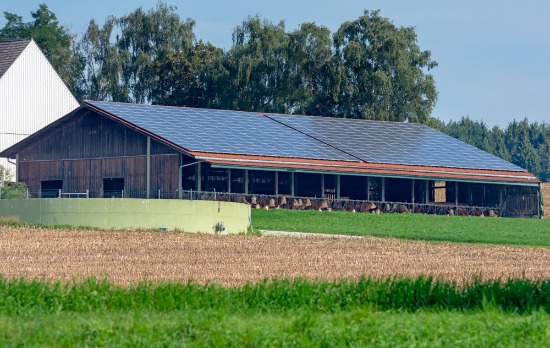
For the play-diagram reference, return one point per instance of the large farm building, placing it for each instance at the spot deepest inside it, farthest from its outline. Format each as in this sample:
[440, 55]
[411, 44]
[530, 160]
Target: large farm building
[24, 72]
[127, 150]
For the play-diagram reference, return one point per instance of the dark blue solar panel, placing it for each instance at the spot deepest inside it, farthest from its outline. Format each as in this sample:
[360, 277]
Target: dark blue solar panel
[220, 131]
[391, 142]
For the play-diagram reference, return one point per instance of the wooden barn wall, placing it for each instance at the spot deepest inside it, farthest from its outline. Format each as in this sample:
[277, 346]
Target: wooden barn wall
[91, 135]
[79, 175]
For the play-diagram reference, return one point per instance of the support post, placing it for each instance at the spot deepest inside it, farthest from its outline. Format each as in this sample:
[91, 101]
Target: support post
[17, 168]
[292, 184]
[276, 183]
[412, 190]
[229, 181]
[456, 197]
[148, 167]
[322, 185]
[198, 177]
[368, 188]
[246, 181]
[383, 195]
[539, 215]
[337, 186]
[427, 192]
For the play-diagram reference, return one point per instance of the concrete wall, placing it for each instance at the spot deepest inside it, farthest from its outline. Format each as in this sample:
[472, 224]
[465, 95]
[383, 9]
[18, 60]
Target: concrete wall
[189, 216]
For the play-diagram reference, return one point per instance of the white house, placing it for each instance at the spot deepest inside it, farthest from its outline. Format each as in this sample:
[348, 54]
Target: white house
[32, 95]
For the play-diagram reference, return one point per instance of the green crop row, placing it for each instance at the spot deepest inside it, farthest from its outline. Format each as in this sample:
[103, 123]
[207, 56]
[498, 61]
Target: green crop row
[19, 296]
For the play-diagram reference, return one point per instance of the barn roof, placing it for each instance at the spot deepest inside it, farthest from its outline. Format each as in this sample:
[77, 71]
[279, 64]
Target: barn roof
[9, 51]
[237, 139]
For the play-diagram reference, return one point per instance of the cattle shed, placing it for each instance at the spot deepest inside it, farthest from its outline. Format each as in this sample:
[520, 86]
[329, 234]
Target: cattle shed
[107, 149]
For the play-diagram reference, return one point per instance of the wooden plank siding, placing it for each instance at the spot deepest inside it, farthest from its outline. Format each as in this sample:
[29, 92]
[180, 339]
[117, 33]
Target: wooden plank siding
[96, 148]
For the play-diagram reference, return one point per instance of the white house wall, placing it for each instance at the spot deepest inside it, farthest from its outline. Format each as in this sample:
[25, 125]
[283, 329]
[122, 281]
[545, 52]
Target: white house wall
[32, 96]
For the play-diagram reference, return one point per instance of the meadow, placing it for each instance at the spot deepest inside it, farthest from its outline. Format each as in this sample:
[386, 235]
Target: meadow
[456, 229]
[65, 287]
[385, 312]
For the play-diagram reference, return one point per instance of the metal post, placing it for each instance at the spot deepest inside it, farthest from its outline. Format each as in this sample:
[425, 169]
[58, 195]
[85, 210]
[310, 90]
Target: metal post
[17, 168]
[368, 188]
[276, 183]
[337, 186]
[292, 190]
[148, 167]
[322, 185]
[159, 194]
[229, 181]
[412, 190]
[427, 191]
[122, 194]
[246, 181]
[383, 198]
[87, 193]
[59, 194]
[27, 193]
[198, 178]
[456, 197]
[539, 215]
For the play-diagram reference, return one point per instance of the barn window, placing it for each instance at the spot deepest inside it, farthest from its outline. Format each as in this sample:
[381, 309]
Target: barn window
[113, 187]
[50, 188]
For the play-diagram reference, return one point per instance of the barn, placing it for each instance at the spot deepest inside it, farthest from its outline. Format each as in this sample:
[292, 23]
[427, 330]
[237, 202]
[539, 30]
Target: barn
[107, 149]
[24, 72]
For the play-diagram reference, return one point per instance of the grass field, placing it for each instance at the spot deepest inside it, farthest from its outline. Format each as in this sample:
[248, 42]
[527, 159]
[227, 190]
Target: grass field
[391, 312]
[507, 231]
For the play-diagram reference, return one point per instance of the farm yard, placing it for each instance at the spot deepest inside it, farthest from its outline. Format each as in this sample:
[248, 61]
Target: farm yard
[61, 286]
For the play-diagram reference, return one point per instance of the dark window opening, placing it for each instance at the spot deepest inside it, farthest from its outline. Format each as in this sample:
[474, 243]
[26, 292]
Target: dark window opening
[262, 182]
[398, 190]
[113, 187]
[237, 181]
[329, 190]
[214, 179]
[353, 187]
[375, 189]
[50, 188]
[284, 183]
[307, 185]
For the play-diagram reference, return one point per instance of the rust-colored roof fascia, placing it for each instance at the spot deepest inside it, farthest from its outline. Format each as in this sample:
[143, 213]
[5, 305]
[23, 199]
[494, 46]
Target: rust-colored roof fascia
[367, 168]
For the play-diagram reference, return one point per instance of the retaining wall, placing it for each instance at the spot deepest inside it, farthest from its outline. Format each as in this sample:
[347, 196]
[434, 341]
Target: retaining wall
[127, 213]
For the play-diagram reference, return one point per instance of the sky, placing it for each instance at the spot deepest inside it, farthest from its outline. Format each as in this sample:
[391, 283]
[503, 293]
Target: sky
[493, 55]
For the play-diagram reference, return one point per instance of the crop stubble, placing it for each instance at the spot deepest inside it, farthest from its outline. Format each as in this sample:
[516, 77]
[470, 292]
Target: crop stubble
[127, 257]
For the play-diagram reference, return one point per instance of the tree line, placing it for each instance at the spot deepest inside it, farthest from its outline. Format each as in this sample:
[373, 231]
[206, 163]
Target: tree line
[369, 68]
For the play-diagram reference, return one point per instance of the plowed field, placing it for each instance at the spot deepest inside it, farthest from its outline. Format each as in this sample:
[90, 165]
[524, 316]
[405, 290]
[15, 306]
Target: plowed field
[126, 257]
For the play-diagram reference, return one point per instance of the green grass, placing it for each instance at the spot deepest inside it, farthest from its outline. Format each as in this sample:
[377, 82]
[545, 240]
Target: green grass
[508, 231]
[389, 312]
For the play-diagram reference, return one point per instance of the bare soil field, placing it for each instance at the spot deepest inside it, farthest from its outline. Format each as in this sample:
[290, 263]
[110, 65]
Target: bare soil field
[127, 257]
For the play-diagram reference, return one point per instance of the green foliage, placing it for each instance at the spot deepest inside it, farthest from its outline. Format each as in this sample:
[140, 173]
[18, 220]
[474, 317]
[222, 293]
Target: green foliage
[20, 296]
[526, 145]
[507, 231]
[54, 40]
[11, 190]
[384, 71]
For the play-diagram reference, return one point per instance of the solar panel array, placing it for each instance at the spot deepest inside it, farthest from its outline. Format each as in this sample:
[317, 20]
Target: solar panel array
[237, 132]
[221, 131]
[394, 142]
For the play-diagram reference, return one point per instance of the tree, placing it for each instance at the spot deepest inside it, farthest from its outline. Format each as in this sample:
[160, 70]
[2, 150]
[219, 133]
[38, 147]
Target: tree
[54, 40]
[384, 71]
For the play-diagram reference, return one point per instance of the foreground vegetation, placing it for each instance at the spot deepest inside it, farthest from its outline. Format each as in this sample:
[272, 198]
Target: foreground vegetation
[387, 312]
[507, 231]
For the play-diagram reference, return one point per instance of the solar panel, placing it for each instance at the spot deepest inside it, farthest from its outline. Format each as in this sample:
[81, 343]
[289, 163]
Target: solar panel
[397, 143]
[221, 131]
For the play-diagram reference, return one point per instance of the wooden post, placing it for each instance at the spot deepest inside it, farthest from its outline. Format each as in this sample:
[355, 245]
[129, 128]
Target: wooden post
[539, 215]
[337, 186]
[383, 189]
[469, 192]
[148, 167]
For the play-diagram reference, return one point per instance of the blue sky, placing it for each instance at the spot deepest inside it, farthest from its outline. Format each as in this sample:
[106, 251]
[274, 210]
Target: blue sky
[494, 56]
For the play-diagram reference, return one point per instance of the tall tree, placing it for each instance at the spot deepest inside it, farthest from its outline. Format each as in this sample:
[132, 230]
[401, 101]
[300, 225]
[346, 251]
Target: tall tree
[53, 39]
[385, 71]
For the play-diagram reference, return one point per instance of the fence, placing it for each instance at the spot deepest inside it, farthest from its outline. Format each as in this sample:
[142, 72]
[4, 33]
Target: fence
[294, 202]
